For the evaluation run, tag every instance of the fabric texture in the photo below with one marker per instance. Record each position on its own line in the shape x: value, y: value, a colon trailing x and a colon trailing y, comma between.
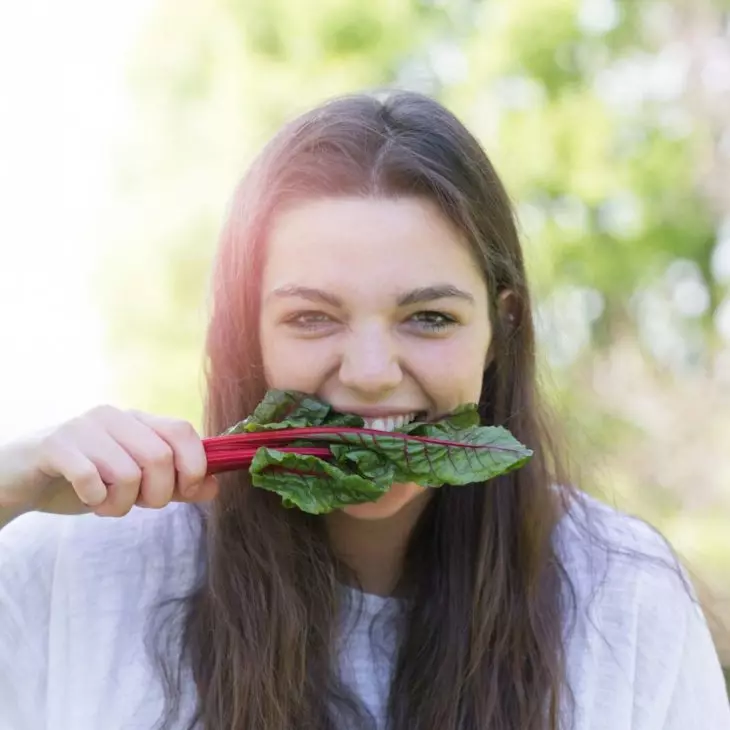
x: 77, y: 595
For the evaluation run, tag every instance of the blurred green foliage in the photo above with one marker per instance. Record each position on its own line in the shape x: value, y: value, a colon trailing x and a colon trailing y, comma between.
x: 599, y: 117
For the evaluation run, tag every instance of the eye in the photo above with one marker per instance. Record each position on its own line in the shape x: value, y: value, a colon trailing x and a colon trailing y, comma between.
x: 434, y: 321
x: 308, y: 320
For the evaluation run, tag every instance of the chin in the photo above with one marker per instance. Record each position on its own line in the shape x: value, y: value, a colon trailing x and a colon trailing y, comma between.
x: 397, y: 498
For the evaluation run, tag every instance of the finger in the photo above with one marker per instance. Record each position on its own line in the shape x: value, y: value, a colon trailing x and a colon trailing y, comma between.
x: 117, y: 469
x: 190, y: 461
x: 152, y: 454
x: 205, y: 491
x: 65, y: 460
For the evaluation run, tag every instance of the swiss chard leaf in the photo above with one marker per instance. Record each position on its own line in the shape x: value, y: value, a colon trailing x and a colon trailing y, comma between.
x: 452, y: 450
x: 440, y: 455
x: 463, y: 417
x: 292, y: 409
x: 311, y: 484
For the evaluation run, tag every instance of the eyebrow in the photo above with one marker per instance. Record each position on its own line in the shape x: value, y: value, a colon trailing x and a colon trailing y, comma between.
x: 415, y: 296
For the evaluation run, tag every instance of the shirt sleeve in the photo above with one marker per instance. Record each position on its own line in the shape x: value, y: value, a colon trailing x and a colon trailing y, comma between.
x: 27, y: 557
x: 699, y: 695
x: 679, y: 684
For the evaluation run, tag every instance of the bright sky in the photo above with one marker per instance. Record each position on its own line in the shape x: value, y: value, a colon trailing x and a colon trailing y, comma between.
x: 62, y: 102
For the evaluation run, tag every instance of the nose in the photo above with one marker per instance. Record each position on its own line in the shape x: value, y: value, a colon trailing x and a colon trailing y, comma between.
x: 370, y: 362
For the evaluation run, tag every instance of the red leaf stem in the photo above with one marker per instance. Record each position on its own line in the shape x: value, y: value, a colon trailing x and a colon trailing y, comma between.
x: 234, y: 451
x: 237, y: 457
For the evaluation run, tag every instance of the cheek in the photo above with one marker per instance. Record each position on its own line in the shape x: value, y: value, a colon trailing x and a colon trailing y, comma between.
x: 451, y: 372
x: 292, y: 364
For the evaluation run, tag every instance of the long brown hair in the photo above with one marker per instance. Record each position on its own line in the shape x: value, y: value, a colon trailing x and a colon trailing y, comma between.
x: 481, y: 643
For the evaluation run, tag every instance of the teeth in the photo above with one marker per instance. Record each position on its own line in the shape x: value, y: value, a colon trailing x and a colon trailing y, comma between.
x: 390, y: 423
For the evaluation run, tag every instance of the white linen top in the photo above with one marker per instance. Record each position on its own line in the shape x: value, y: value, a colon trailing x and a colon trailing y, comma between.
x: 76, y: 594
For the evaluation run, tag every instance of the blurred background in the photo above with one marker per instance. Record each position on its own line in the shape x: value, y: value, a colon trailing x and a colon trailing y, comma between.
x: 125, y: 127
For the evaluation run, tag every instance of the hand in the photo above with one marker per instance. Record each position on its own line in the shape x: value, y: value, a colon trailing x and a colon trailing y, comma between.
x: 105, y: 462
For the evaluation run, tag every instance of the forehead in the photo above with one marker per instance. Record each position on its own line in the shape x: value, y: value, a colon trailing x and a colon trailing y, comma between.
x: 375, y: 244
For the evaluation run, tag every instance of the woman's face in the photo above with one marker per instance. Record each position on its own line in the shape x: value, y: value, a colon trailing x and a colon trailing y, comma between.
x: 377, y: 307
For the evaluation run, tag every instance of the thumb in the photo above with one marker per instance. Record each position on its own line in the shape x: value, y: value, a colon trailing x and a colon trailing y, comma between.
x: 204, y: 491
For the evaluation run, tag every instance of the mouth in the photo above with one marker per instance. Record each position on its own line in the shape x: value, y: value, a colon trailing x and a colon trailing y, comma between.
x: 390, y: 423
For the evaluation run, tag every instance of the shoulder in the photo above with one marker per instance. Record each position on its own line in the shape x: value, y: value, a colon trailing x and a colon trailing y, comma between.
x: 638, y: 628
x: 37, y: 550
x: 622, y: 563
x: 76, y: 593
x: 598, y: 542
x: 586, y: 515
x: 36, y: 533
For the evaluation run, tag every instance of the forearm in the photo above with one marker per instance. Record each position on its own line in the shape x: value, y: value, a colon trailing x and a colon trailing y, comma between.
x: 19, y: 491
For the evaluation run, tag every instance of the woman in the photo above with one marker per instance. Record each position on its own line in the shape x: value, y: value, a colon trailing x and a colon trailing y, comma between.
x: 371, y: 258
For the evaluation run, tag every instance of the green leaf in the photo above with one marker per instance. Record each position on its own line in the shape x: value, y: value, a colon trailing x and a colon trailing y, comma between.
x: 453, y: 450
x: 309, y: 483
x: 450, y: 456
x: 292, y: 409
x: 464, y: 416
